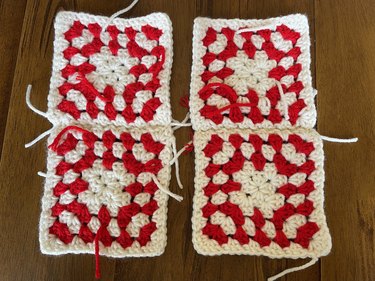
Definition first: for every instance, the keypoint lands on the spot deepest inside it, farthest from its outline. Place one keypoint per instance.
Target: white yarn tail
(339, 140)
(29, 104)
(282, 97)
(176, 125)
(38, 138)
(115, 15)
(42, 174)
(165, 190)
(293, 269)
(37, 111)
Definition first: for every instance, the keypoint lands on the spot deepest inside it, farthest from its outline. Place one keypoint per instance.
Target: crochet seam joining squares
(259, 163)
(111, 143)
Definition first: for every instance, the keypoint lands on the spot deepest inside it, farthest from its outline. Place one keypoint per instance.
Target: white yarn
(294, 269)
(352, 140)
(177, 125)
(111, 71)
(99, 192)
(178, 154)
(29, 104)
(176, 166)
(42, 174)
(259, 66)
(115, 15)
(166, 191)
(283, 100)
(38, 138)
(258, 190)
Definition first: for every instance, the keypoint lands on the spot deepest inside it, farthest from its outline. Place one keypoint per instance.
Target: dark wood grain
(343, 63)
(11, 18)
(345, 40)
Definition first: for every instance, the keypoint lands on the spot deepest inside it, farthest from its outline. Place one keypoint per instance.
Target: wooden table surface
(343, 66)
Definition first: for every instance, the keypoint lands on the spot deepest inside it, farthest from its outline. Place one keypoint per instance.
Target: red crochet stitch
(223, 61)
(257, 188)
(95, 155)
(89, 64)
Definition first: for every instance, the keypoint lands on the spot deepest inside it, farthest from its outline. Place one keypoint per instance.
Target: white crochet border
(205, 246)
(298, 22)
(63, 21)
(51, 245)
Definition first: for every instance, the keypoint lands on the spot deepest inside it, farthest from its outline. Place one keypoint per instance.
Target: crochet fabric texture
(259, 164)
(111, 144)
(252, 79)
(118, 76)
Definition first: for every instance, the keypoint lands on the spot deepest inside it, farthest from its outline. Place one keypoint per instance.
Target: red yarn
(145, 233)
(184, 101)
(151, 145)
(215, 232)
(210, 37)
(61, 230)
(152, 33)
(75, 31)
(288, 34)
(305, 233)
(56, 141)
(241, 236)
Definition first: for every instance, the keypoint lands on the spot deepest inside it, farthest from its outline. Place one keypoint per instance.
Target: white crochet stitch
(249, 201)
(252, 58)
(102, 59)
(115, 189)
(112, 143)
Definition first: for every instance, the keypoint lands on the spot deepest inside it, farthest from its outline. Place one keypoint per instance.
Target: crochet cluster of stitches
(111, 144)
(259, 163)
(251, 79)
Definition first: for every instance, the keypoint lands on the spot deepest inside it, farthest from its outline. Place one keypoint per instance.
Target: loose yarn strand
(184, 123)
(29, 104)
(42, 174)
(352, 140)
(182, 150)
(38, 138)
(166, 191)
(176, 165)
(293, 269)
(282, 97)
(115, 15)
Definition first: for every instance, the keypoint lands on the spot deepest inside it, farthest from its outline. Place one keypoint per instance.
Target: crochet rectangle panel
(101, 184)
(259, 193)
(251, 73)
(111, 75)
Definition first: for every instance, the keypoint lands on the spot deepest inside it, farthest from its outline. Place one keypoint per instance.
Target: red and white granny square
(255, 79)
(259, 193)
(115, 75)
(100, 185)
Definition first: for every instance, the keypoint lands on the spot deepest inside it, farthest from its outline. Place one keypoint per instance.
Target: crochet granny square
(111, 75)
(251, 73)
(259, 193)
(101, 185)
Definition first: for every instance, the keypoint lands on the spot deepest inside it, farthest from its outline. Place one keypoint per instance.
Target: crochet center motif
(258, 191)
(254, 78)
(102, 186)
(113, 74)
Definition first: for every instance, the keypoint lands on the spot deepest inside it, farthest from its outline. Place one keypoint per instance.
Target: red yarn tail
(189, 147)
(56, 141)
(184, 101)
